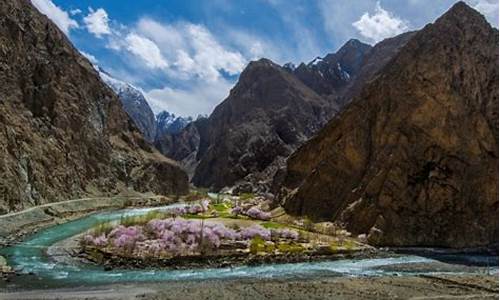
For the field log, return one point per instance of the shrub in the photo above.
(308, 224)
(285, 234)
(143, 219)
(272, 225)
(102, 228)
(257, 244)
(290, 248)
(246, 196)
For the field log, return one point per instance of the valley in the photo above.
(369, 172)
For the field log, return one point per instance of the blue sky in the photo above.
(185, 55)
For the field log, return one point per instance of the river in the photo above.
(41, 271)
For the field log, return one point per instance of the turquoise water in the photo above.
(30, 257)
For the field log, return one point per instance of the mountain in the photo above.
(373, 61)
(168, 123)
(413, 160)
(270, 113)
(329, 75)
(184, 145)
(267, 115)
(63, 132)
(134, 103)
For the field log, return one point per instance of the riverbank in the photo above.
(15, 226)
(411, 287)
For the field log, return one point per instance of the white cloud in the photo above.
(192, 49)
(380, 25)
(489, 8)
(60, 17)
(75, 12)
(97, 22)
(186, 55)
(200, 98)
(207, 51)
(147, 50)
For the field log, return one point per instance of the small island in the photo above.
(221, 232)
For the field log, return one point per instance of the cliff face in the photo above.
(414, 159)
(63, 133)
(373, 61)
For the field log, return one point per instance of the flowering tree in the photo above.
(236, 211)
(256, 213)
(178, 237)
(125, 238)
(256, 230)
(253, 212)
(99, 241)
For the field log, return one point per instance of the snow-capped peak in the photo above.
(169, 123)
(290, 66)
(165, 118)
(121, 87)
(316, 61)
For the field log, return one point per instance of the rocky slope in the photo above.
(414, 159)
(135, 105)
(63, 132)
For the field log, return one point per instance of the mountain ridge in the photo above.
(416, 164)
(363, 62)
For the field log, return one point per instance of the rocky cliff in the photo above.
(63, 132)
(413, 160)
